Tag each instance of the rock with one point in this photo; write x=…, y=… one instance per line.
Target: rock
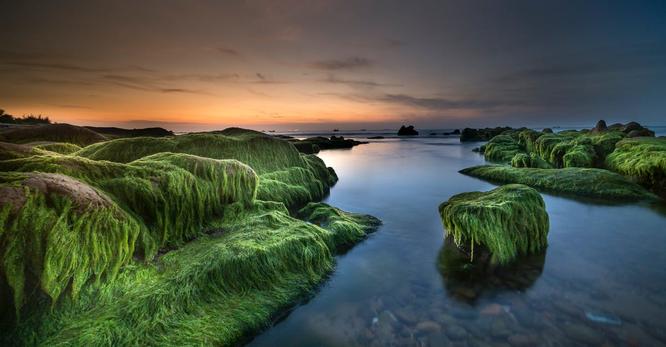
x=492, y=310
x=583, y=334
x=407, y=131
x=439, y=340
x=600, y=127
x=375, y=137
x=631, y=126
x=547, y=131
x=456, y=332
x=520, y=340
x=469, y=134
x=406, y=315
x=499, y=329
x=640, y=132
x=428, y=327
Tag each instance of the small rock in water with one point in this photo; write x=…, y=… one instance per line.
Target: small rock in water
x=603, y=318
x=583, y=334
x=492, y=310
x=406, y=315
x=428, y=327
x=456, y=332
x=520, y=340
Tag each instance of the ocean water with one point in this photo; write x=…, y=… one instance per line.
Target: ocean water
x=601, y=281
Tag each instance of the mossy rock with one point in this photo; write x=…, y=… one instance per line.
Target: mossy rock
x=642, y=158
x=593, y=183
x=219, y=289
x=502, y=148
x=57, y=231
x=59, y=147
x=507, y=222
x=51, y=133
x=349, y=228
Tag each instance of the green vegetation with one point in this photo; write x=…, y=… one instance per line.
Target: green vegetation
x=642, y=158
x=79, y=136
x=508, y=221
x=59, y=147
x=162, y=248
x=25, y=119
x=156, y=202
x=585, y=182
x=531, y=160
x=213, y=291
x=14, y=151
x=502, y=148
x=286, y=175
x=348, y=228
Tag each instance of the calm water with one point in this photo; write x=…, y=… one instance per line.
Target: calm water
x=602, y=279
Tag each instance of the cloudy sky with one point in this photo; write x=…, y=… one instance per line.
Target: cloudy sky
x=318, y=64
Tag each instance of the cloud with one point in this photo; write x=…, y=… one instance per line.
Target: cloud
x=442, y=103
x=357, y=83
x=350, y=63
x=228, y=51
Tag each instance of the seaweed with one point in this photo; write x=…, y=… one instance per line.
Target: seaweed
x=216, y=290
x=507, y=221
x=642, y=158
x=59, y=147
x=585, y=182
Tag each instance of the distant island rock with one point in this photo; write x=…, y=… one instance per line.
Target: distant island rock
x=407, y=131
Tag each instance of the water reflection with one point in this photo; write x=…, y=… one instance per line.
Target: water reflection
x=467, y=281
x=602, y=280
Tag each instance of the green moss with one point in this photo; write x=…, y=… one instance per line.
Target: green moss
x=642, y=158
x=508, y=221
x=171, y=197
x=502, y=148
x=14, y=151
x=348, y=228
x=287, y=175
x=59, y=147
x=51, y=133
x=214, y=291
x=583, y=182
x=531, y=160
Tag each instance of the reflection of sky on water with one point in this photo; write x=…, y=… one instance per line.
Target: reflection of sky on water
x=601, y=259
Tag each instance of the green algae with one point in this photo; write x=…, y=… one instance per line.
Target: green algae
x=161, y=201
x=532, y=160
x=51, y=133
x=584, y=182
x=15, y=151
x=348, y=228
x=642, y=158
x=231, y=263
x=502, y=148
x=507, y=222
x=287, y=176
x=59, y=147
x=216, y=290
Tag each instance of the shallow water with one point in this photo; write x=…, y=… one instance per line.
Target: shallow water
x=601, y=280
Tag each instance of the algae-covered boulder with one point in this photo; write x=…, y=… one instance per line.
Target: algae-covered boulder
x=52, y=133
x=313, y=145
x=59, y=147
x=67, y=220
x=581, y=182
x=286, y=175
x=217, y=290
x=643, y=159
x=348, y=228
x=505, y=222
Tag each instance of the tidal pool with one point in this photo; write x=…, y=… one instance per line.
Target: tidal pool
x=602, y=279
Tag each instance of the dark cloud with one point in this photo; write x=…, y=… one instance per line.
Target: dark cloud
x=342, y=64
x=443, y=103
x=357, y=83
x=228, y=51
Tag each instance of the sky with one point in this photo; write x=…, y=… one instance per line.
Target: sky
x=317, y=65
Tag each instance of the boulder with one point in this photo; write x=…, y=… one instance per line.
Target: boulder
x=407, y=131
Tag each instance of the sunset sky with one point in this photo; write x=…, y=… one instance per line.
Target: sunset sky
x=193, y=65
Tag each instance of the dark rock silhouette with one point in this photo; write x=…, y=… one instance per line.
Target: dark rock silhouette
x=469, y=134
x=407, y=131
